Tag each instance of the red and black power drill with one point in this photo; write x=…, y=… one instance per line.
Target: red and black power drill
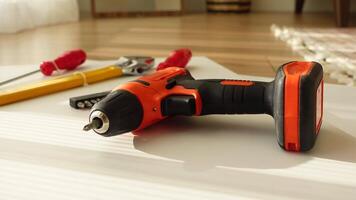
x=294, y=99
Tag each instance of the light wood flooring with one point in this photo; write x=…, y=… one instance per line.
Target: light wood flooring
x=241, y=42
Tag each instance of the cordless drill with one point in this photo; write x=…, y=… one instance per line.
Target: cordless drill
x=294, y=99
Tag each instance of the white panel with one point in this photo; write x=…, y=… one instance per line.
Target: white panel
x=44, y=154
x=17, y=15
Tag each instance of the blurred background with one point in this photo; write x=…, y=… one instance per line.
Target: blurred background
x=249, y=37
x=202, y=5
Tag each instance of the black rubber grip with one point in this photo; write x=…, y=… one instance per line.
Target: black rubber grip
x=232, y=99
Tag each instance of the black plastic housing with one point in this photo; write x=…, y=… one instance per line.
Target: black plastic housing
x=123, y=110
x=308, y=85
x=308, y=107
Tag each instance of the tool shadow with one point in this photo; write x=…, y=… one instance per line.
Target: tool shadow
x=239, y=141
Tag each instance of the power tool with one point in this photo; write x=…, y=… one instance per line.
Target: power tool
x=134, y=65
x=294, y=99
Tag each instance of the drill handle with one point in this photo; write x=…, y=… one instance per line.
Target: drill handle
x=233, y=96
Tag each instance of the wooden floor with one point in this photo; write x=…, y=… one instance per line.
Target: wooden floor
x=241, y=42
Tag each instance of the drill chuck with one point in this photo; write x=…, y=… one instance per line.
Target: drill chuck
x=98, y=121
x=117, y=113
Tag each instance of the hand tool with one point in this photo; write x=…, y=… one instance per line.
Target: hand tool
x=69, y=60
x=294, y=99
x=177, y=58
x=125, y=65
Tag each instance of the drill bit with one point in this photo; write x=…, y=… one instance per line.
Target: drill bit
x=88, y=127
x=95, y=124
x=19, y=77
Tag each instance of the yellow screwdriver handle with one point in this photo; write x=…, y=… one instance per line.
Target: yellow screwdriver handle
x=76, y=79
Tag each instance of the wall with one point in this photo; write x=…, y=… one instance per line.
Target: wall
x=195, y=5
x=200, y=6
x=288, y=5
x=130, y=5
x=167, y=5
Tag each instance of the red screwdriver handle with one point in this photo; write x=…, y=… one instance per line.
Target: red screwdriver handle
x=177, y=58
x=69, y=60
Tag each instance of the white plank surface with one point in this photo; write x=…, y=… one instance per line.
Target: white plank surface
x=44, y=154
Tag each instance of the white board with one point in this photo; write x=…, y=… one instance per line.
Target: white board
x=44, y=154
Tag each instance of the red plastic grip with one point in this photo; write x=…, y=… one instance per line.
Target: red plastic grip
x=177, y=58
x=69, y=60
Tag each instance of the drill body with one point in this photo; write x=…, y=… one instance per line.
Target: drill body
x=292, y=99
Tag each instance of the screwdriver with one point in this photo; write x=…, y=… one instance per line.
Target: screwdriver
x=177, y=58
x=69, y=60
